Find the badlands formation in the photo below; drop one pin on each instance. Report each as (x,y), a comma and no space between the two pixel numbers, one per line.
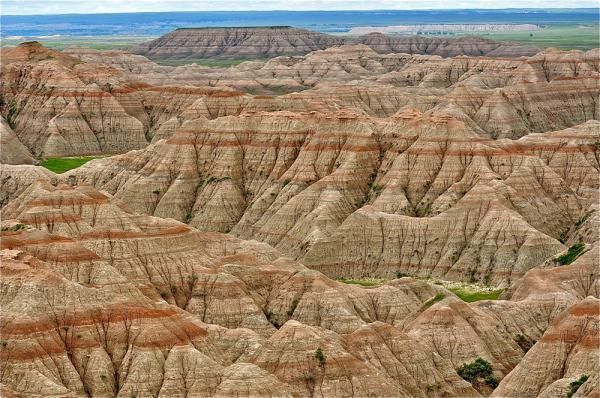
(261,42)
(209,254)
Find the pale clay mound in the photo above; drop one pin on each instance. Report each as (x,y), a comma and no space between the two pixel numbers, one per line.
(201,261)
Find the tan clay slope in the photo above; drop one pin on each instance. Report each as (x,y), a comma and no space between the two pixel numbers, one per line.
(109,279)
(86,102)
(327,188)
(14,179)
(60,106)
(12,151)
(64,339)
(169,261)
(568,350)
(261,42)
(90,252)
(505,97)
(114,334)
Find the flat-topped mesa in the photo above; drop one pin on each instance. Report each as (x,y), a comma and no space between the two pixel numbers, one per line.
(236,42)
(270,41)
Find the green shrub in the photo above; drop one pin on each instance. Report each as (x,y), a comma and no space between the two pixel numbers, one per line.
(286,181)
(16,227)
(291,310)
(574,251)
(377,188)
(12,112)
(583,219)
(478,369)
(524,342)
(272,318)
(401,274)
(320,357)
(574,386)
(491,381)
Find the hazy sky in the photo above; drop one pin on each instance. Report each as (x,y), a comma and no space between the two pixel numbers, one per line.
(98,6)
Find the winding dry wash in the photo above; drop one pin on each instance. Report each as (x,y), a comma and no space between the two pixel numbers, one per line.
(375,216)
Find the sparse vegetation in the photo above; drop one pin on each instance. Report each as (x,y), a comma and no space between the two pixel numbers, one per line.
(320,357)
(366,282)
(217,179)
(574,386)
(272,318)
(61,165)
(571,255)
(291,310)
(438,297)
(564,36)
(524,342)
(377,188)
(479,369)
(469,296)
(12,112)
(16,227)
(209,62)
(286,181)
(583,219)
(401,274)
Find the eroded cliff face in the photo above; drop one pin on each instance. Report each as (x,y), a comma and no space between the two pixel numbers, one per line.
(203,261)
(123,304)
(351,196)
(90,102)
(261,42)
(105,302)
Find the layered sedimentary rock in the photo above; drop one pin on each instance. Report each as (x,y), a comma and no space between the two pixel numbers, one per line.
(236,42)
(60,106)
(325,188)
(87,102)
(261,42)
(567,351)
(12,151)
(14,179)
(202,262)
(105,279)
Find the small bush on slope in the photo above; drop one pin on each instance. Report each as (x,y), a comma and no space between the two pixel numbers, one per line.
(574,251)
(574,386)
(478,369)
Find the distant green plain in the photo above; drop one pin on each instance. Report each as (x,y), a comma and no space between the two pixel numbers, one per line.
(566,37)
(61,165)
(95,42)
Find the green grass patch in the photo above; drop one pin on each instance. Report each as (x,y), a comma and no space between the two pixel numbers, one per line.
(438,297)
(61,165)
(210,62)
(366,282)
(469,296)
(574,251)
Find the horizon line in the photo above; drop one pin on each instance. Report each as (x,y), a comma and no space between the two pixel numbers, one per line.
(315,10)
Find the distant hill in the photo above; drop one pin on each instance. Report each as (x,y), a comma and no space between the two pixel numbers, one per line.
(263,42)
